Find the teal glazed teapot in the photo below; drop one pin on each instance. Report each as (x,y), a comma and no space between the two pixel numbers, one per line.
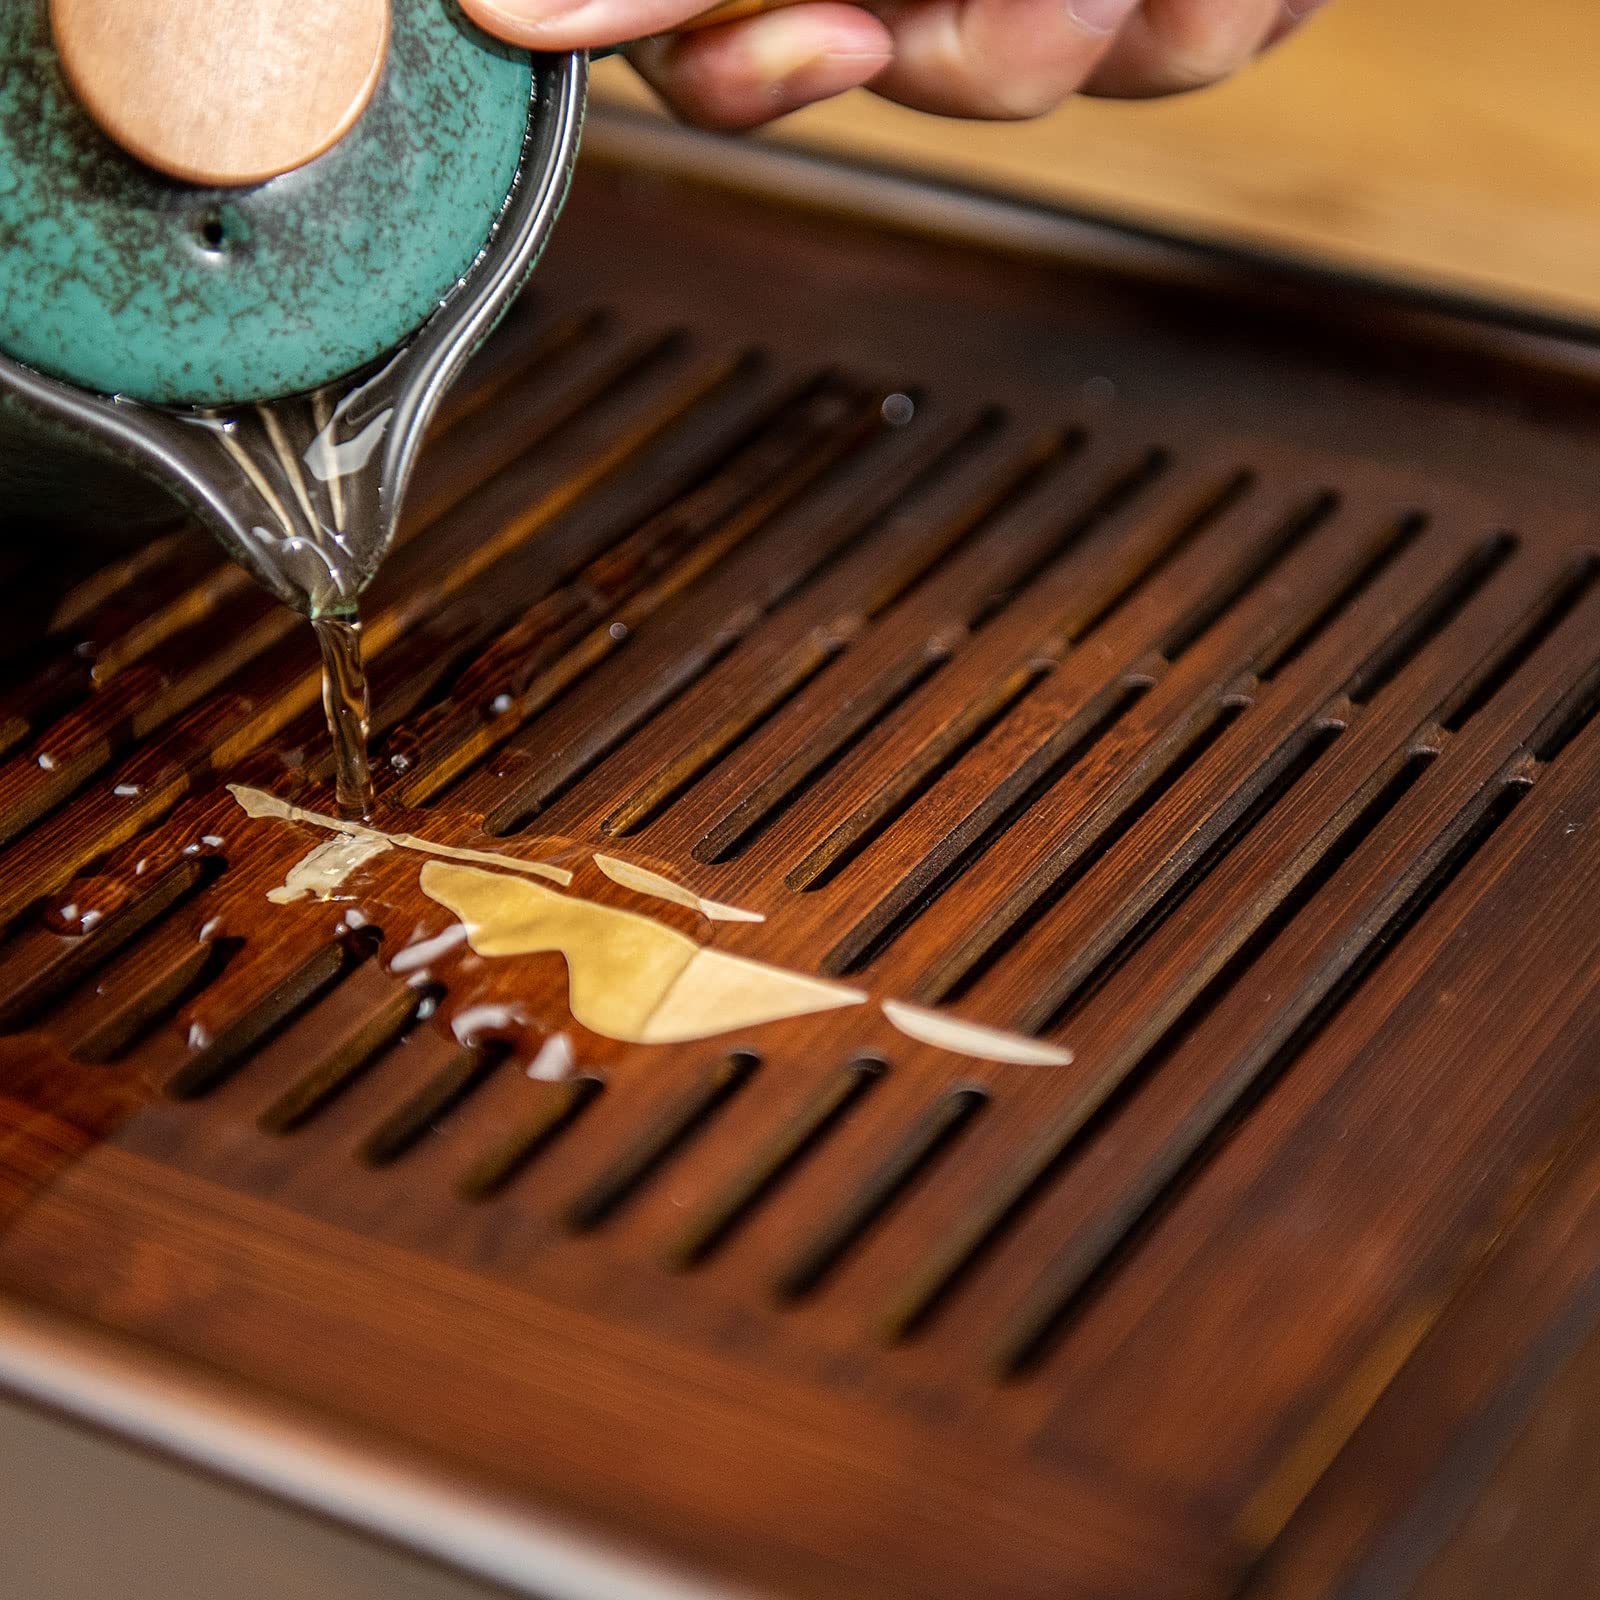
(265,353)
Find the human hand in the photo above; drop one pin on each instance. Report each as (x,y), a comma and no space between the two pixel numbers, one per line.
(997,59)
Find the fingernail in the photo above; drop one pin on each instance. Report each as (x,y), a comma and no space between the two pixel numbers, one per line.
(782,46)
(796,67)
(528,13)
(1101,16)
(824,75)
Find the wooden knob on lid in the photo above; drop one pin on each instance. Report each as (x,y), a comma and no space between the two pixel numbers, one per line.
(223,92)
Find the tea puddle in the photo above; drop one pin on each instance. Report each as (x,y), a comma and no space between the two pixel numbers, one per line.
(630,977)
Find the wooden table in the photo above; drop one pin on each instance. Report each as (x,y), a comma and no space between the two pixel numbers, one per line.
(1437,139)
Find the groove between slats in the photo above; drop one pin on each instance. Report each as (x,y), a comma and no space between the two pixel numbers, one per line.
(832,1101)
(658,1143)
(1011,802)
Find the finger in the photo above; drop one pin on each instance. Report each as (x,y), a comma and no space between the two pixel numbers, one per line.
(1174,45)
(743,73)
(999,59)
(579,24)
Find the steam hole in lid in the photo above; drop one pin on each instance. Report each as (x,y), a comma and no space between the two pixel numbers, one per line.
(213,235)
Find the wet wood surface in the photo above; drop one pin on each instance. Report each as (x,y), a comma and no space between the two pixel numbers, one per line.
(1160,662)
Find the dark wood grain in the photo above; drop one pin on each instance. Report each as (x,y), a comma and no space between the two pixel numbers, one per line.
(1187,667)
(1473,1473)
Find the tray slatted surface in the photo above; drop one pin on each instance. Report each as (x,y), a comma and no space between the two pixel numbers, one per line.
(1195,677)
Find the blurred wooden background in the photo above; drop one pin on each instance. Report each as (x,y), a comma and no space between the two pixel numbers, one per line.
(1456,141)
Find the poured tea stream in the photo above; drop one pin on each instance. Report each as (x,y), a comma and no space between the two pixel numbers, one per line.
(348,703)
(311,514)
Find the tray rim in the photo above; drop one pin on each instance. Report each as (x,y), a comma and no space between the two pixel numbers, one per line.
(75,1373)
(889,197)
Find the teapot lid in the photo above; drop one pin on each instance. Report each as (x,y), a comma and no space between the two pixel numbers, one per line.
(122,281)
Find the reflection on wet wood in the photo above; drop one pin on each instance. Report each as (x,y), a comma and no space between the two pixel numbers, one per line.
(326,869)
(258,803)
(970,1039)
(643,881)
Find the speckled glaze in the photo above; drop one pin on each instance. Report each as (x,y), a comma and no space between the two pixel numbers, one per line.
(119,281)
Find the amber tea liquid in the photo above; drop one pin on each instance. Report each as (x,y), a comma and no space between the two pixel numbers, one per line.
(348,703)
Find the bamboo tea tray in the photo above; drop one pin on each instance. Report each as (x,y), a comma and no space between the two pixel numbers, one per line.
(1024,803)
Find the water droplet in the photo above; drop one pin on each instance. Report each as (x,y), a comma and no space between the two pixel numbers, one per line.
(127,791)
(501,704)
(898,409)
(208,929)
(213,841)
(424,952)
(70,913)
(141,866)
(427,1006)
(400,762)
(554,1063)
(91,920)
(48,763)
(619,631)
(199,1036)
(470,1025)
